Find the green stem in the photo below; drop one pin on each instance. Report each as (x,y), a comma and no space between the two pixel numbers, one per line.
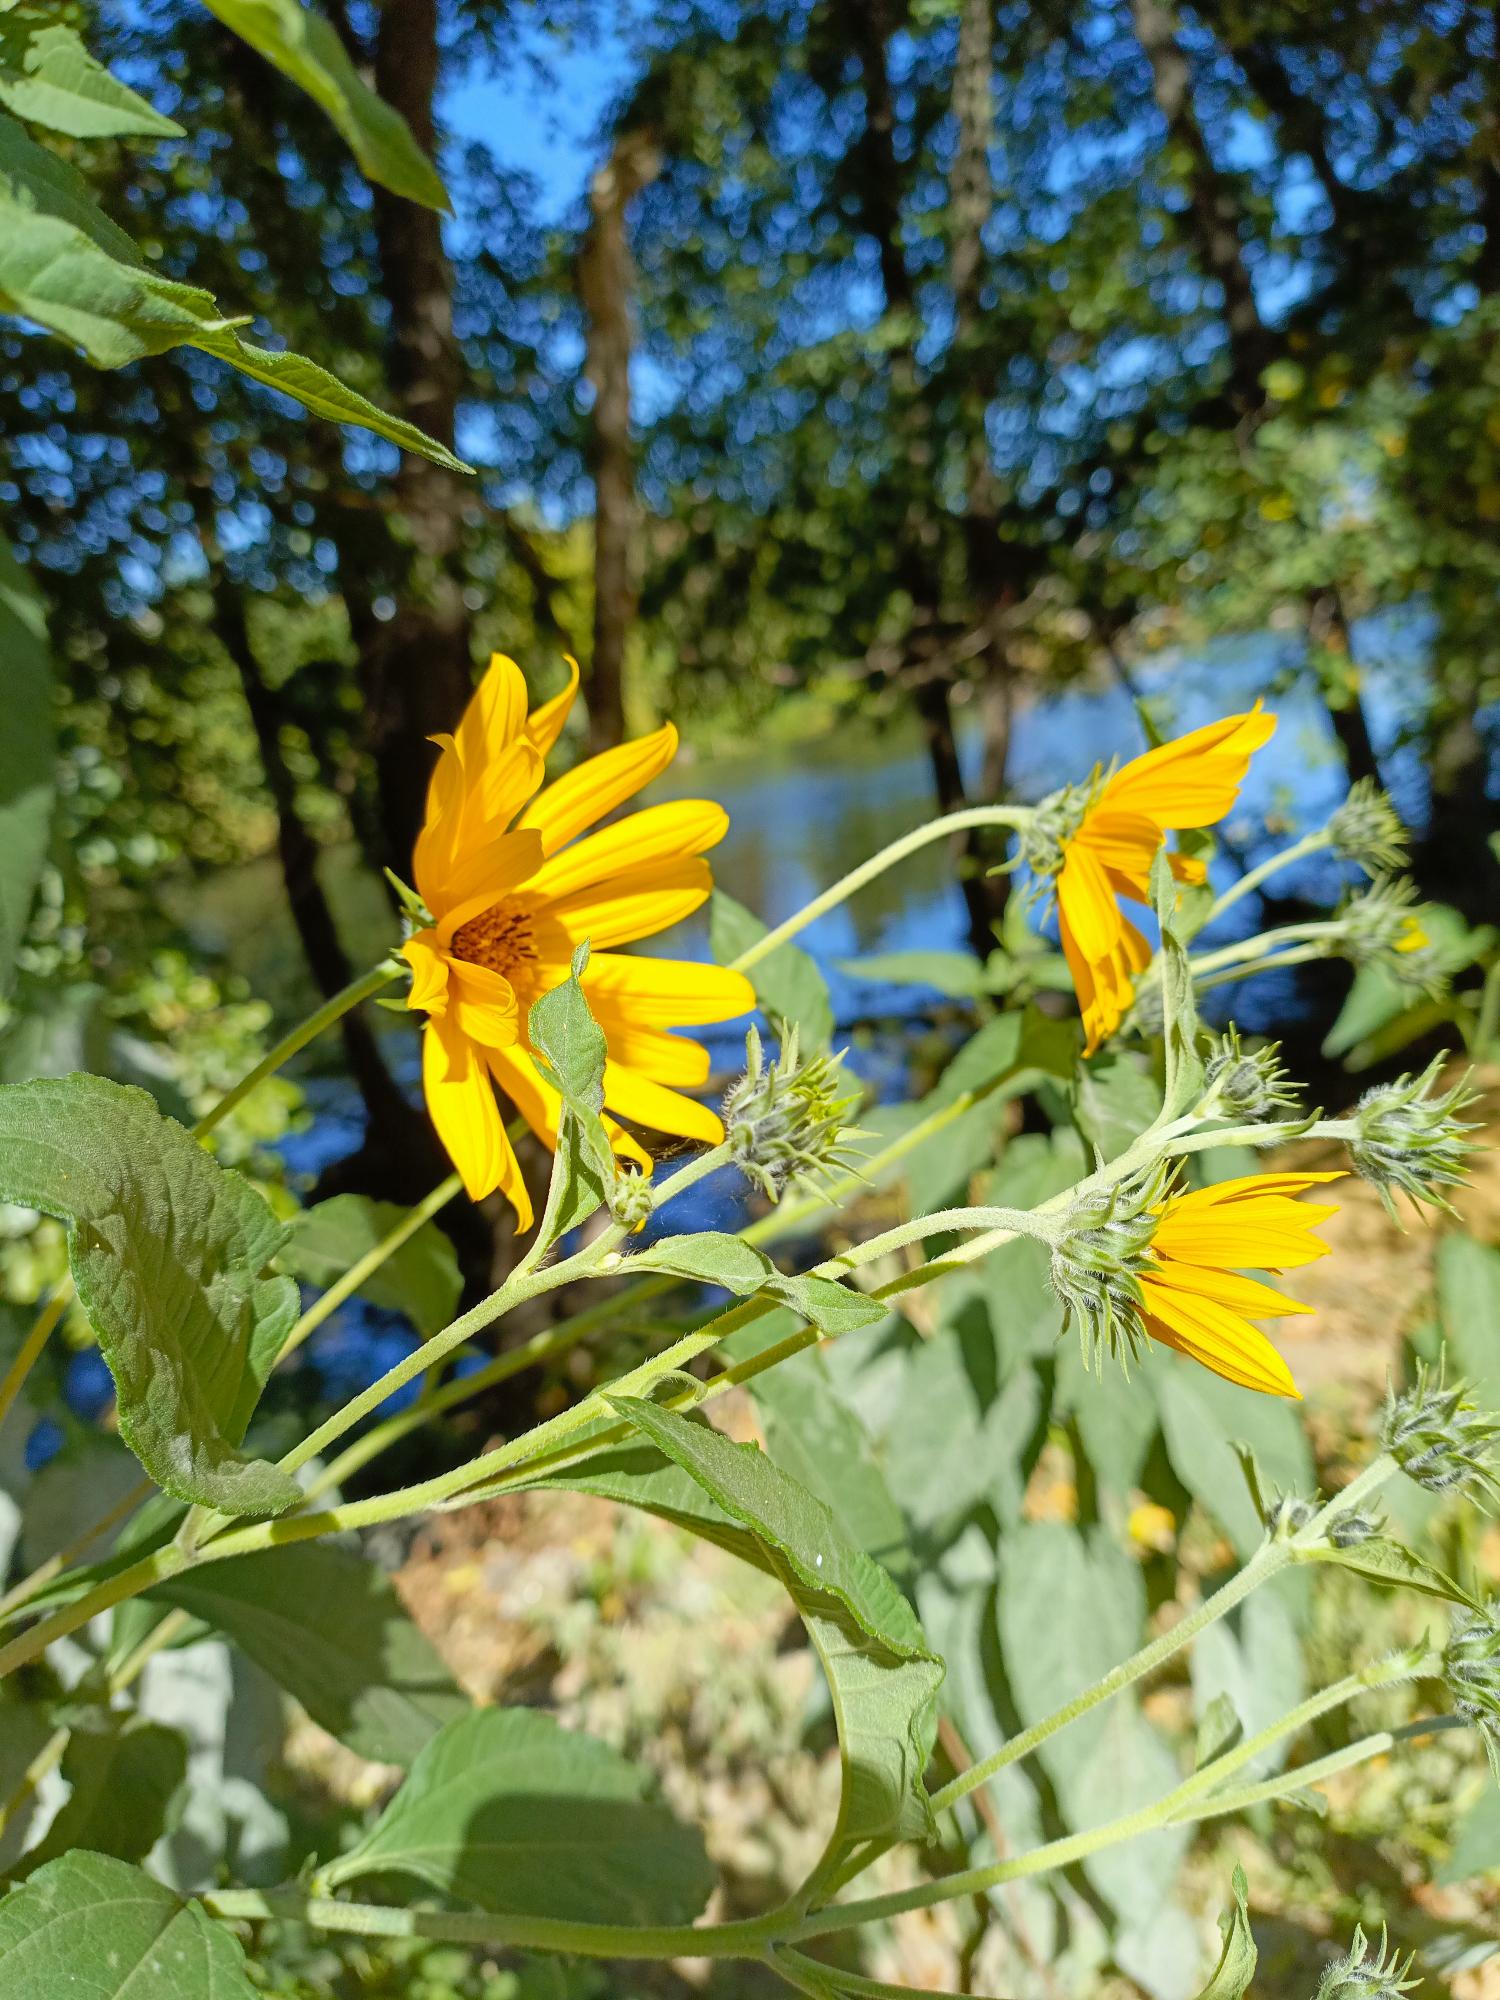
(140,1576)
(16,1598)
(1311,843)
(329,1302)
(1260,947)
(868,871)
(1252,967)
(30,1352)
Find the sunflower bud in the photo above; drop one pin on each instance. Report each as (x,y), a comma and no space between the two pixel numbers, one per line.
(1381,927)
(1439,1436)
(1407,1138)
(631,1201)
(1357,1976)
(1247,1084)
(1101,1248)
(1052,824)
(1471,1670)
(787,1118)
(1366,831)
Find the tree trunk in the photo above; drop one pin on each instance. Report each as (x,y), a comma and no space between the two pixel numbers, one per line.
(606,285)
(417,668)
(1328,645)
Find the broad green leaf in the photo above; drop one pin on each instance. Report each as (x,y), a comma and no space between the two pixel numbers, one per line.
(506,1810)
(882,1676)
(330,1629)
(571,1052)
(813,1435)
(66,266)
(48,77)
(1115,1098)
(306,48)
(956,974)
(791,990)
(1252,1661)
(1203,1418)
(421,1279)
(166,1250)
(26,756)
(91,1926)
(714,1258)
(640,1476)
(1236,1966)
(1468,1289)
(1388,1562)
(124,1775)
(1476,1847)
(1219,1729)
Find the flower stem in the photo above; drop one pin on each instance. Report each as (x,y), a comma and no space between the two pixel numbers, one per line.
(1310,843)
(868,871)
(329,1302)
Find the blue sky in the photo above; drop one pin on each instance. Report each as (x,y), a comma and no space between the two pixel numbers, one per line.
(551,132)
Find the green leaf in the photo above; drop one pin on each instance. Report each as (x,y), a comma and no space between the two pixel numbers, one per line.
(1115,1098)
(306,48)
(882,1675)
(714,1258)
(506,1810)
(791,990)
(1388,1562)
(571,1053)
(421,1279)
(66,266)
(89,1925)
(1468,1291)
(958,975)
(1203,1419)
(1476,1847)
(1236,1966)
(1184,1078)
(329,1628)
(49,77)
(813,1435)
(166,1250)
(1219,1729)
(27,755)
(125,1774)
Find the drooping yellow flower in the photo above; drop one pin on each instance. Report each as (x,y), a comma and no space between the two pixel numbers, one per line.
(1195,1296)
(513,889)
(1190,782)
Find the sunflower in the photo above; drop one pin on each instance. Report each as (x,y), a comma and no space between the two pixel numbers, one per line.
(1194,1297)
(512,889)
(1190,782)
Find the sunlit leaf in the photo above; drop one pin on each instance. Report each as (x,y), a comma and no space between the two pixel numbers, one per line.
(26,755)
(421,1279)
(788,984)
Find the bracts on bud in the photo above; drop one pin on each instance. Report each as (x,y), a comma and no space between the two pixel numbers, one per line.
(1410,1138)
(1439,1436)
(1358,1976)
(787,1119)
(1101,1249)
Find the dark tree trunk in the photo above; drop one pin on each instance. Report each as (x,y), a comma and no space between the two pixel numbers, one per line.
(416,668)
(1455,861)
(1328,636)
(606,284)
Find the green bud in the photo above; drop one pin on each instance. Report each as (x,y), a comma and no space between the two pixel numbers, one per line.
(1366,831)
(631,1201)
(787,1119)
(1439,1436)
(1357,1976)
(1102,1247)
(1407,1138)
(1380,927)
(1247,1084)
(1471,1669)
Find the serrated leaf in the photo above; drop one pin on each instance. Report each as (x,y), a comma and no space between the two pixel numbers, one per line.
(87,1924)
(124,1774)
(66,266)
(306,47)
(788,984)
(881,1673)
(27,756)
(571,1053)
(48,77)
(506,1810)
(420,1279)
(1236,1966)
(166,1249)
(329,1628)
(714,1258)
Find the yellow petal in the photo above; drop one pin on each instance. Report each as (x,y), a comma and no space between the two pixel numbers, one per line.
(640,840)
(637,905)
(545,724)
(482,1005)
(1086,903)
(1247,1221)
(1218,1338)
(596,786)
(462,1105)
(1231,1288)
(495,715)
(666,992)
(1194,780)
(481,877)
(429,972)
(539,1104)
(636,1097)
(669,1059)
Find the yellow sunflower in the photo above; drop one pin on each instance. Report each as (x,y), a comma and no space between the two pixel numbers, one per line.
(512,890)
(1190,782)
(1194,1294)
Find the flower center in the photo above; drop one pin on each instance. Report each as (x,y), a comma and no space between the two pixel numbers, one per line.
(499,938)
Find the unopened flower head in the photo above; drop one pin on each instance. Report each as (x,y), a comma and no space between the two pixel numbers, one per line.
(1439,1436)
(1247,1084)
(1358,1976)
(1054,820)
(1380,927)
(631,1200)
(1097,1263)
(1411,1137)
(1471,1669)
(1366,831)
(789,1117)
